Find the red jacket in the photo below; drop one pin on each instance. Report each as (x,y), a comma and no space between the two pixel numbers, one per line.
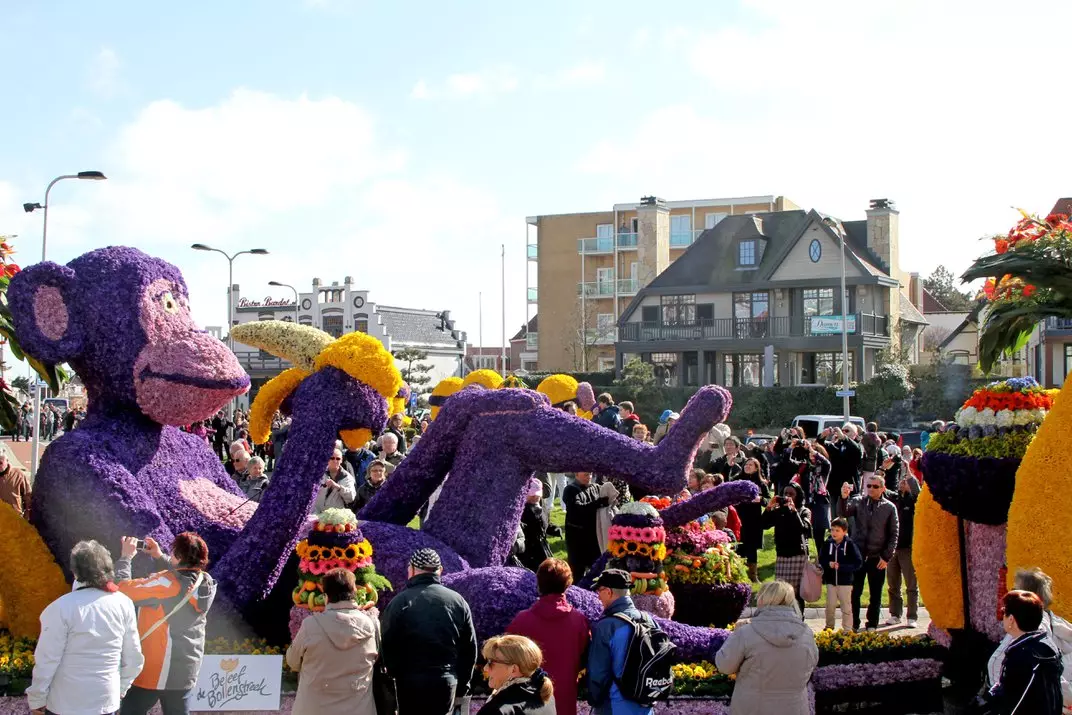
(733,523)
(562,634)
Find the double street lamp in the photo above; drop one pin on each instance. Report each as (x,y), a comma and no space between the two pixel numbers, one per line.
(230,286)
(29,208)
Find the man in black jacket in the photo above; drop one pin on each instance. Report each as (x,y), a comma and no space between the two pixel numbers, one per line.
(1030,681)
(582,501)
(429,643)
(609,415)
(876,535)
(845,457)
(377,475)
(629,418)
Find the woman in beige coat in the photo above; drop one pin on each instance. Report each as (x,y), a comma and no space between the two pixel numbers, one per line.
(334,653)
(773,657)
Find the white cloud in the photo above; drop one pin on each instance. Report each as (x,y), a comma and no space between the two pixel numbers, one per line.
(481,83)
(308,179)
(103,78)
(582,74)
(955,116)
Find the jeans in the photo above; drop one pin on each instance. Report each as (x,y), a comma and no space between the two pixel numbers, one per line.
(140,701)
(820,524)
(901,564)
(835,596)
(425,697)
(876,579)
(558,485)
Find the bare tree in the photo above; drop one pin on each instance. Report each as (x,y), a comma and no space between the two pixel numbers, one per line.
(933,337)
(585,333)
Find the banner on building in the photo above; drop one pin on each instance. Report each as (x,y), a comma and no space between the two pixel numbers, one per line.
(831,324)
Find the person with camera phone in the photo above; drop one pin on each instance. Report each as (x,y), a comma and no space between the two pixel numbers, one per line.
(172,605)
(791,521)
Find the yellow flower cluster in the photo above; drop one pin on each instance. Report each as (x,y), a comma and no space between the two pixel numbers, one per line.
(446,387)
(268,400)
(1035,518)
(704,670)
(485,378)
(360,550)
(363,358)
(16,656)
(30,579)
(937,561)
(618,549)
(559,388)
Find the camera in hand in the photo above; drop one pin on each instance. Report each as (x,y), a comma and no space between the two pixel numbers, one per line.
(141,545)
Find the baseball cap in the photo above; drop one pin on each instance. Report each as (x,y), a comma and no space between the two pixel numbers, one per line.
(614,578)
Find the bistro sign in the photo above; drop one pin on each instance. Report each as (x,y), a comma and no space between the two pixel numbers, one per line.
(268,302)
(831,324)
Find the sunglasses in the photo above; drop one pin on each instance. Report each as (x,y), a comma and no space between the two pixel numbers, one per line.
(335,459)
(876,486)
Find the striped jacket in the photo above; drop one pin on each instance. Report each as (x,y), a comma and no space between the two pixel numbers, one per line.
(173,652)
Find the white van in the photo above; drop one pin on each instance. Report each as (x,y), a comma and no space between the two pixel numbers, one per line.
(813,425)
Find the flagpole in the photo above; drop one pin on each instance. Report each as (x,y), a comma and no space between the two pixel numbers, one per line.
(503,371)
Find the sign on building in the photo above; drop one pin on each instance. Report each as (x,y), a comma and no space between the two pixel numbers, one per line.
(237,682)
(831,324)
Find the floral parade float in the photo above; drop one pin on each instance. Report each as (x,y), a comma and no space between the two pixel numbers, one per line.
(988,498)
(708,578)
(335,541)
(636,543)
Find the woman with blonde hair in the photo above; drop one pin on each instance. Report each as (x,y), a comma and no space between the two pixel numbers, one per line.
(518,683)
(773,657)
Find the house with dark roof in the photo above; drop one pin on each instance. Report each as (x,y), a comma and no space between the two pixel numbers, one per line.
(339,309)
(756,300)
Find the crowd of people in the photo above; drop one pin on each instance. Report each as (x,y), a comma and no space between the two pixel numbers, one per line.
(54,421)
(123,644)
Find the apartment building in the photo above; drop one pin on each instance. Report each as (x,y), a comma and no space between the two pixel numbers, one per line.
(755,299)
(586,268)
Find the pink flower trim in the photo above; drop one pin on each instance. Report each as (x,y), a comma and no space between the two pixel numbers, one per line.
(50,312)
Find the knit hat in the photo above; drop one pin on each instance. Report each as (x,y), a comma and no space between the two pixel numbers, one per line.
(425,560)
(665,416)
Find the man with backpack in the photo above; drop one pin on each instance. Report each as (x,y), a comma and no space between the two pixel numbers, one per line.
(629,658)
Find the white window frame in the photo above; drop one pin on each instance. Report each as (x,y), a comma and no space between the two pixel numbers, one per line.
(605,230)
(605,275)
(713,219)
(680,219)
(604,364)
(634,268)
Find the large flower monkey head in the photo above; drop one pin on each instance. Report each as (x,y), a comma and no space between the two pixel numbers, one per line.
(122,320)
(364,372)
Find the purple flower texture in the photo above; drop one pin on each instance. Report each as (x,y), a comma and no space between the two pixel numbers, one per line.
(720,497)
(986,554)
(717,605)
(977,489)
(862,675)
(488,475)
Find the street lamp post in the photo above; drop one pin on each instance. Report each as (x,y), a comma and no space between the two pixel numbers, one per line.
(287,285)
(84,176)
(844,321)
(230,288)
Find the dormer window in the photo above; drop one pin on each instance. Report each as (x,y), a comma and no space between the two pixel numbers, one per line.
(746,253)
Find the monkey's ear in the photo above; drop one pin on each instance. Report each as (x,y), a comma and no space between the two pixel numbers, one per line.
(41,300)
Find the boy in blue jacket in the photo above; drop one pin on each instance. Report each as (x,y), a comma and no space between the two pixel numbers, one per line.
(840,558)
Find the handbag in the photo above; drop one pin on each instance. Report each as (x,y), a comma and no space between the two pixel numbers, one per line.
(383,685)
(811,582)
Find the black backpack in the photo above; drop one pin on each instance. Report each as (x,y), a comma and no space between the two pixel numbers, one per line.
(647,676)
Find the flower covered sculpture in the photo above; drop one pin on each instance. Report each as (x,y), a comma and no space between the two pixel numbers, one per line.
(637,544)
(335,541)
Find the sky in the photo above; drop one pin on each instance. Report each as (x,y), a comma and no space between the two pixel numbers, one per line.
(403,144)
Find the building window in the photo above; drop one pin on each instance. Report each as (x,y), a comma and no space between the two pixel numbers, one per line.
(679,309)
(649,314)
(745,370)
(746,253)
(1068,360)
(751,312)
(529,366)
(333,325)
(818,301)
(705,313)
(361,322)
(605,364)
(824,369)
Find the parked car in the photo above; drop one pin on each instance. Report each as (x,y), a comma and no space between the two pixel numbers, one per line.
(813,425)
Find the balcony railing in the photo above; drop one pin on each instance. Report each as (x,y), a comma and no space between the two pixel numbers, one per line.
(683,239)
(533,251)
(605,289)
(605,244)
(601,336)
(748,329)
(532,295)
(1058,324)
(532,341)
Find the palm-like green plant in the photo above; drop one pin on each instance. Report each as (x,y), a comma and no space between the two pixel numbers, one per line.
(1029,279)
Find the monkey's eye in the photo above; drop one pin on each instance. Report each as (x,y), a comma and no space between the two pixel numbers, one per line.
(170,303)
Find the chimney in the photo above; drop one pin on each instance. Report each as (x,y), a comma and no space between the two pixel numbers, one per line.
(347,280)
(653,239)
(883,235)
(316,282)
(916,290)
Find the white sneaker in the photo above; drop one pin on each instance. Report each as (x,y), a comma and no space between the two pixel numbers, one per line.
(911,623)
(892,621)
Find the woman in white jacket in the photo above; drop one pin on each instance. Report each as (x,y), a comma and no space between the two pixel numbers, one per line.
(89,651)
(1058,629)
